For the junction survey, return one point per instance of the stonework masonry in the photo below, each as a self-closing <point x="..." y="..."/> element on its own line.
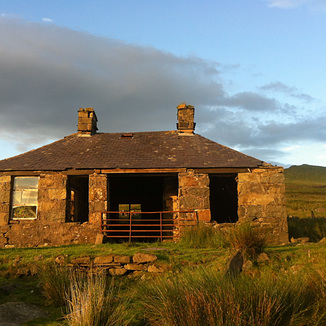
<point x="262" y="201"/>
<point x="5" y="188"/>
<point x="194" y="194"/>
<point x="98" y="194"/>
<point x="52" y="201"/>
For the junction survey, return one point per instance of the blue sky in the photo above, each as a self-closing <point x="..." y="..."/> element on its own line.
<point x="254" y="70"/>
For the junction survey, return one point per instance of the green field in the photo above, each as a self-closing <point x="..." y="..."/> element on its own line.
<point x="306" y="191"/>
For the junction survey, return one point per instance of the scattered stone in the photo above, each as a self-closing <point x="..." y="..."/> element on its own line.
<point x="247" y="265"/>
<point x="262" y="257"/>
<point x="23" y="272"/>
<point x="102" y="260"/>
<point x="155" y="269"/>
<point x="81" y="260"/>
<point x="303" y="240"/>
<point x="142" y="258"/>
<point x="33" y="270"/>
<point x="60" y="260"/>
<point x="122" y="259"/>
<point x="9" y="246"/>
<point x="135" y="267"/>
<point x="99" y="238"/>
<point x="234" y="266"/>
<point x="117" y="271"/>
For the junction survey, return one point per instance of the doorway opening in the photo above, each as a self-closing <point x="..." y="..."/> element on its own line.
<point x="224" y="198"/>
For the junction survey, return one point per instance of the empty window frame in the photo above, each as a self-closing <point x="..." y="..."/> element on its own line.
<point x="134" y="208"/>
<point x="24" y="198"/>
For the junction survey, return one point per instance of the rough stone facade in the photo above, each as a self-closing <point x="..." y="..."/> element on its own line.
<point x="5" y="188"/>
<point x="194" y="194"/>
<point x="98" y="194"/>
<point x="52" y="195"/>
<point x="261" y="200"/>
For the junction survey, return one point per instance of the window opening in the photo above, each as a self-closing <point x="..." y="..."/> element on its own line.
<point x="135" y="208"/>
<point x="25" y="198"/>
<point x="77" y="195"/>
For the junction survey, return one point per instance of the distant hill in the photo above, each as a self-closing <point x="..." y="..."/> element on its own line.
<point x="306" y="174"/>
<point x="306" y="190"/>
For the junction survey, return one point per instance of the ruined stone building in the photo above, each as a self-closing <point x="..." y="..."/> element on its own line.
<point x="57" y="194"/>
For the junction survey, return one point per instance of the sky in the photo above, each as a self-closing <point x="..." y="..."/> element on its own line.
<point x="255" y="71"/>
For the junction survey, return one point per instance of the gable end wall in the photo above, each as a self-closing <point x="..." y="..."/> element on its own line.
<point x="262" y="201"/>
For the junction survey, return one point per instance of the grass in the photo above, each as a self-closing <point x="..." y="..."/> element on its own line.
<point x="195" y="286"/>
<point x="313" y="228"/>
<point x="306" y="191"/>
<point x="201" y="236"/>
<point x="191" y="298"/>
<point x="92" y="303"/>
<point x="251" y="241"/>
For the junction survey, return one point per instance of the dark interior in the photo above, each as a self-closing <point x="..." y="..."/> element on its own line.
<point x="77" y="199"/>
<point x="224" y="198"/>
<point x="147" y="191"/>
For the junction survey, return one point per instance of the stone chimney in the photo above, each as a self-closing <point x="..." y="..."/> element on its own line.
<point x="87" y="121"/>
<point x="186" y="124"/>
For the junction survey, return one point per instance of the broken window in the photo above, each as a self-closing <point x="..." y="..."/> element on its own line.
<point x="24" y="198"/>
<point x="134" y="208"/>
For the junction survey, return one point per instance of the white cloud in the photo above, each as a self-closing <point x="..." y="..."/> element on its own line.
<point x="288" y="4"/>
<point x="47" y="20"/>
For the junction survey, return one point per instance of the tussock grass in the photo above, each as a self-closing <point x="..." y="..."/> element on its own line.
<point x="55" y="282"/>
<point x="251" y="241"/>
<point x="93" y="302"/>
<point x="208" y="298"/>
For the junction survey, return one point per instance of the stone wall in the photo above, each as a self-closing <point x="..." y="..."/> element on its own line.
<point x="262" y="201"/>
<point x="98" y="194"/>
<point x="50" y="227"/>
<point x="5" y="188"/>
<point x="194" y="194"/>
<point x="52" y="198"/>
<point x="37" y="234"/>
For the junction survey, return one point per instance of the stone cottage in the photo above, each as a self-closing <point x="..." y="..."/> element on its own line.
<point x="78" y="187"/>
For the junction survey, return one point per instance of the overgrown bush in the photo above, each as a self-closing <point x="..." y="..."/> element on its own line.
<point x="314" y="227"/>
<point x="93" y="302"/>
<point x="201" y="236"/>
<point x="251" y="241"/>
<point x="208" y="298"/>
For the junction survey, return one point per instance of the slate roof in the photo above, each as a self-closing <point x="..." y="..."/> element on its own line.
<point x="162" y="149"/>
